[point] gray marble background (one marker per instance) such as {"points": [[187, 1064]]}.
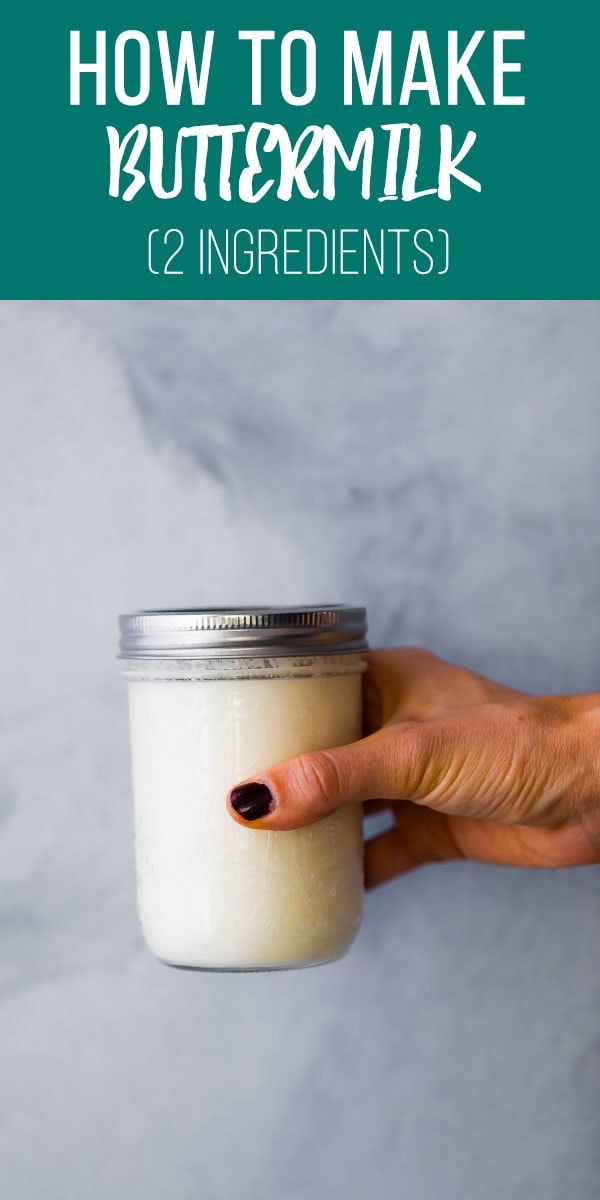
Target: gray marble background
{"points": [[438, 461]]}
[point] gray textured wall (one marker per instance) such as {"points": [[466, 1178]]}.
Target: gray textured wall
{"points": [[437, 461]]}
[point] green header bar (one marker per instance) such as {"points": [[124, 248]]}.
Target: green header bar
{"points": [[418, 150]]}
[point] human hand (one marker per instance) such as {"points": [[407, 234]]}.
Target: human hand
{"points": [[469, 769]]}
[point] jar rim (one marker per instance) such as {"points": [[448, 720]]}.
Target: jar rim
{"points": [[243, 631]]}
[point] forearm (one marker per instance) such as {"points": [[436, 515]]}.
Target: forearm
{"points": [[580, 746]]}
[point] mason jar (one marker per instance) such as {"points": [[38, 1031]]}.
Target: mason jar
{"points": [[215, 697]]}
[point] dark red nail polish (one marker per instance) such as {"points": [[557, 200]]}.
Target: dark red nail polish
{"points": [[252, 801]]}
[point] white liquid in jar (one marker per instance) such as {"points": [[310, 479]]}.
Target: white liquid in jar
{"points": [[211, 893]]}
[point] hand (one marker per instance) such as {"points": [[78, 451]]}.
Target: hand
{"points": [[469, 769]]}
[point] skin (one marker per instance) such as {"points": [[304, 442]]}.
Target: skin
{"points": [[468, 768]]}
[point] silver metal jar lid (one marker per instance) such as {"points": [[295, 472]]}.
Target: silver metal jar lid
{"points": [[243, 632]]}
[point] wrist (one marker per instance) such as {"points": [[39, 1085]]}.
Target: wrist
{"points": [[581, 751]]}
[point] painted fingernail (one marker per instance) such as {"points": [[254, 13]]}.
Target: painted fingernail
{"points": [[252, 801]]}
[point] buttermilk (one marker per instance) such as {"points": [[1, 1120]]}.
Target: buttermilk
{"points": [[254, 160]]}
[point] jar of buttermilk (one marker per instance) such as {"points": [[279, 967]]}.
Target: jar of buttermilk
{"points": [[215, 697]]}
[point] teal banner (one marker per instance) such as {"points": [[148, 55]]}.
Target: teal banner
{"points": [[380, 150]]}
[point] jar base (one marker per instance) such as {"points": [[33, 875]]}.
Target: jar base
{"points": [[250, 970]]}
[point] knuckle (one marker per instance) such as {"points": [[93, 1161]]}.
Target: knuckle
{"points": [[412, 748], [317, 780]]}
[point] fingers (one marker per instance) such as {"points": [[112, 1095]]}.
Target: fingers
{"points": [[388, 765], [422, 835], [419, 836]]}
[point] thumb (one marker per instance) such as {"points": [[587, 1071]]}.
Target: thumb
{"points": [[386, 765]]}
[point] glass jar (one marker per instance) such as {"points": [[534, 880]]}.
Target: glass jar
{"points": [[215, 697]]}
